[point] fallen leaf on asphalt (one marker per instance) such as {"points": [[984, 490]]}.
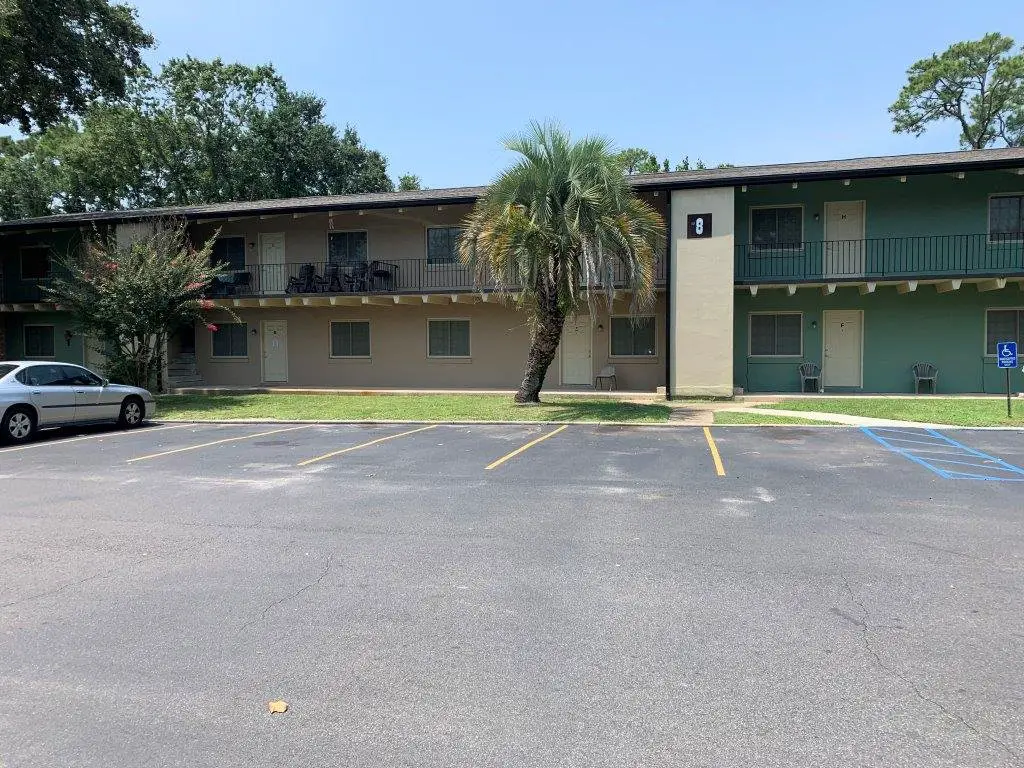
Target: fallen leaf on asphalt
{"points": [[277, 707]]}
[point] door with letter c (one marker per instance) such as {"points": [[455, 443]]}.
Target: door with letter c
{"points": [[275, 351]]}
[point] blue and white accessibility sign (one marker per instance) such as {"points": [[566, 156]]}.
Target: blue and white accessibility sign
{"points": [[1006, 354]]}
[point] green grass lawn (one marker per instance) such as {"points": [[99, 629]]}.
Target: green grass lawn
{"points": [[737, 417], [329, 407], [968, 412]]}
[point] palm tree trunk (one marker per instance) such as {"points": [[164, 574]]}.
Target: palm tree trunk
{"points": [[547, 332]]}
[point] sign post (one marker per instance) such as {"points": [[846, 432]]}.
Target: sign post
{"points": [[1006, 358]]}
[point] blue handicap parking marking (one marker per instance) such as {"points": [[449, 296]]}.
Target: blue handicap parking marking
{"points": [[944, 456]]}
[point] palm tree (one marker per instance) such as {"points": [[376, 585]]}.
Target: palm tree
{"points": [[558, 228]]}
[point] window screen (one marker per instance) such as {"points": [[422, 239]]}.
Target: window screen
{"points": [[231, 340], [448, 338], [443, 245], [1006, 218], [1003, 325], [230, 251], [776, 334], [350, 339], [777, 227], [633, 337], [346, 248], [38, 341]]}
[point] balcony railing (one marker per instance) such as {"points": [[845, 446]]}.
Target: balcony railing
{"points": [[883, 258], [16, 291], [384, 276]]}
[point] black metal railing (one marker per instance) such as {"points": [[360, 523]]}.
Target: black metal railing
{"points": [[880, 258], [17, 291], [388, 276]]}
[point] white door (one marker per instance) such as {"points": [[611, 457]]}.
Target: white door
{"points": [[844, 239], [576, 365], [275, 351], [273, 276], [844, 334]]}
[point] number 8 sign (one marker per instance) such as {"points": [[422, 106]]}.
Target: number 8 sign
{"points": [[698, 225]]}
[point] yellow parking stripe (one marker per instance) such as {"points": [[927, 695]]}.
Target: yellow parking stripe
{"points": [[315, 459], [218, 442], [98, 436], [529, 445], [719, 469]]}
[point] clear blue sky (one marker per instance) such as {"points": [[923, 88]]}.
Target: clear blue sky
{"points": [[435, 86]]}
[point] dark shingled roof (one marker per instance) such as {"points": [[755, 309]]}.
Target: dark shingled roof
{"points": [[864, 167]]}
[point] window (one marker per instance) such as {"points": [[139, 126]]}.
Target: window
{"points": [[443, 244], [1003, 325], [448, 338], [39, 341], [778, 335], [35, 262], [42, 376], [230, 251], [1006, 218], [75, 376], [231, 340], [777, 227], [633, 337], [346, 248], [350, 338]]}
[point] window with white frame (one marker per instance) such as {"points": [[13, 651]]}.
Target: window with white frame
{"points": [[448, 338], [35, 262], [1003, 325], [229, 251], [779, 227], [350, 338], [1006, 218], [633, 337], [231, 340], [443, 244], [776, 334], [347, 248], [39, 341]]}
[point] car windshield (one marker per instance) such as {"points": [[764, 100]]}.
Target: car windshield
{"points": [[6, 368]]}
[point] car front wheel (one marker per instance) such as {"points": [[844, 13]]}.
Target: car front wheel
{"points": [[132, 412], [19, 424]]}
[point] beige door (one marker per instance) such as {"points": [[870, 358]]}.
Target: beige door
{"points": [[275, 351], [273, 276], [844, 334], [844, 239], [94, 360], [576, 365]]}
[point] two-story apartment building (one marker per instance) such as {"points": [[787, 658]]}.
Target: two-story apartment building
{"points": [[863, 267]]}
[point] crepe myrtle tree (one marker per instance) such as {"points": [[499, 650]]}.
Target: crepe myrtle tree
{"points": [[558, 230], [129, 297]]}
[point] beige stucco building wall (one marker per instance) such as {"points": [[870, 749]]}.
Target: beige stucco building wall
{"points": [[499, 342], [702, 295]]}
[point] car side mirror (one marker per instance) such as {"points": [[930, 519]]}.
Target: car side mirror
{"points": [[104, 382]]}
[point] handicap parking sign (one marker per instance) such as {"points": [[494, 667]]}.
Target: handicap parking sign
{"points": [[1006, 354]]}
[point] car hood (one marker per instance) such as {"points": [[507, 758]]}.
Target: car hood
{"points": [[124, 389]]}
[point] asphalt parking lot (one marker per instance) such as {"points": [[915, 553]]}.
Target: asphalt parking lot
{"points": [[512, 595]]}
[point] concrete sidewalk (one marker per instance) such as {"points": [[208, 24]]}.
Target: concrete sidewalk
{"points": [[837, 418]]}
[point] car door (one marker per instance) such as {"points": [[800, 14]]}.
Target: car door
{"points": [[53, 398], [92, 401]]}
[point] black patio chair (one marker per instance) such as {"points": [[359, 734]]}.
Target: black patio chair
{"points": [[383, 276], [332, 278], [356, 279], [308, 281]]}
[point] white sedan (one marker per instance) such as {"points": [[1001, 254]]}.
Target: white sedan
{"points": [[37, 395]]}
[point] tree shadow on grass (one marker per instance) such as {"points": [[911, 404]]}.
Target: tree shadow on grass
{"points": [[603, 410]]}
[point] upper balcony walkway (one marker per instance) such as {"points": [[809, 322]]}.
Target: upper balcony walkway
{"points": [[879, 259]]}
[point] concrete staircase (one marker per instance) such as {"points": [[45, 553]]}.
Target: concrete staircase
{"points": [[182, 372]]}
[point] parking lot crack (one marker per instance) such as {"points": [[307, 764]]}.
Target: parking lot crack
{"points": [[297, 593], [865, 632], [84, 580]]}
